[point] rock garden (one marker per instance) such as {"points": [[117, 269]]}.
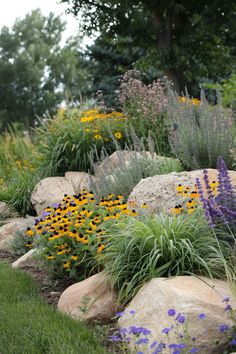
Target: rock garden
{"points": [[125, 222]]}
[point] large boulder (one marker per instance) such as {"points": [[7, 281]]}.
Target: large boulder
{"points": [[51, 190], [190, 297], [8, 230], [92, 299], [159, 192], [121, 157]]}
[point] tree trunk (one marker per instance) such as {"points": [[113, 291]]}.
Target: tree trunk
{"points": [[166, 22]]}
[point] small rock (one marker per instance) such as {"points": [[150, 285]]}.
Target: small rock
{"points": [[91, 299], [8, 230], [27, 260]]}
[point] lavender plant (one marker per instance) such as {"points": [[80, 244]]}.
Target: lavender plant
{"points": [[200, 132], [220, 210]]}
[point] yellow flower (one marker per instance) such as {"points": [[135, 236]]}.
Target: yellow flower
{"points": [[86, 119], [118, 135], [100, 248], [29, 232], [177, 210], [74, 257], [97, 136], [66, 265], [49, 257]]}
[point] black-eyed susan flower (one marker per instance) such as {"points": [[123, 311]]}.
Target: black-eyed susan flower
{"points": [[66, 265], [97, 136], [29, 232], [194, 194], [118, 135], [50, 257], [177, 209], [74, 257], [100, 248]]}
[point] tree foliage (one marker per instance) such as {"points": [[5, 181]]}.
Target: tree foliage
{"points": [[191, 39], [35, 71]]}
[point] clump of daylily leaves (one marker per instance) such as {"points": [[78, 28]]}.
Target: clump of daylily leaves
{"points": [[70, 235]]}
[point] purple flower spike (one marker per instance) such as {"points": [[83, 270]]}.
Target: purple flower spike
{"points": [[142, 341], [202, 316], [114, 338], [171, 312]]}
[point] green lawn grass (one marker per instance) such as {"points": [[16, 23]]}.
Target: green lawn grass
{"points": [[29, 326]]}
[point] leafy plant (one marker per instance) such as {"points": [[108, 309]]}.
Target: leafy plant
{"points": [[145, 106], [161, 246], [199, 133]]}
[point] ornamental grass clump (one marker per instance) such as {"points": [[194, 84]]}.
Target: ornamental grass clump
{"points": [[161, 246], [70, 236], [220, 209], [199, 132], [145, 106], [133, 164]]}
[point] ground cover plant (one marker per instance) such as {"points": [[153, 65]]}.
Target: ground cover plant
{"points": [[200, 132], [28, 325]]}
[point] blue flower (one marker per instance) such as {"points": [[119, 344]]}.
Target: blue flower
{"points": [[224, 328], [153, 344], [233, 341], [114, 338], [140, 352], [171, 312], [120, 314], [123, 331], [166, 330], [176, 352], [132, 312], [180, 318], [193, 350], [142, 341], [226, 299], [228, 307], [202, 316]]}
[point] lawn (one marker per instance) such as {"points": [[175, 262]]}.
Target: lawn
{"points": [[29, 326]]}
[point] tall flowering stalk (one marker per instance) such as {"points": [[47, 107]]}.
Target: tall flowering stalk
{"points": [[220, 209]]}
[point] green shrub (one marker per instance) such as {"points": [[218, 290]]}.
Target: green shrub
{"points": [[200, 132], [66, 140], [19, 171], [161, 246]]}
